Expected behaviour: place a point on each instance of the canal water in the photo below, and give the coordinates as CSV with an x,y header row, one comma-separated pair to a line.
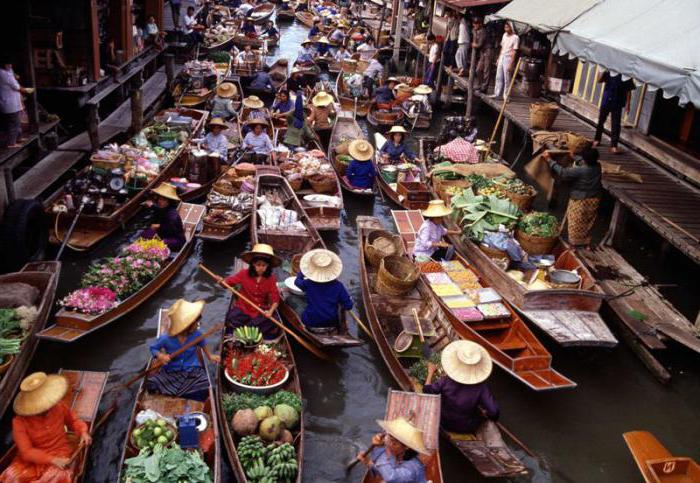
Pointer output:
x,y
575,435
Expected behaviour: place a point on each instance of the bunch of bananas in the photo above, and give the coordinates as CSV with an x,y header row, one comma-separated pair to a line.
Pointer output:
x,y
248,335
250,449
272,464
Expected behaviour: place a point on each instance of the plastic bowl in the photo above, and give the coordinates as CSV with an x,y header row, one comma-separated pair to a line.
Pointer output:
x,y
257,389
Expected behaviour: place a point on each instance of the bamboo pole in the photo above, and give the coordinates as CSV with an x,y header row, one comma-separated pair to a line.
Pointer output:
x,y
503,106
360,324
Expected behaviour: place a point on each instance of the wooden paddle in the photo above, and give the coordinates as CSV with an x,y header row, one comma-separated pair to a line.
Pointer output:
x,y
360,324
425,346
304,343
352,464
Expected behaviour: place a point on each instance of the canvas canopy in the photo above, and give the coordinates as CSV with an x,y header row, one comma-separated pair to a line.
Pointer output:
x,y
651,41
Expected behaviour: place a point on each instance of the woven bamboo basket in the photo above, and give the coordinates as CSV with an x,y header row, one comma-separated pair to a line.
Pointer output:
x,y
295,184
242,171
107,164
535,245
396,276
543,115
524,202
493,252
577,143
340,167
342,148
226,189
382,244
322,184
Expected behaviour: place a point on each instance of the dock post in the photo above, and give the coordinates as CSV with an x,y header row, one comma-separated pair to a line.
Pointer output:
x,y
398,33
450,88
470,83
94,126
505,131
136,110
170,68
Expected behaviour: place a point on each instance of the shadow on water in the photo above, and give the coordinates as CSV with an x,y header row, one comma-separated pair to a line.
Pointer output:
x,y
576,433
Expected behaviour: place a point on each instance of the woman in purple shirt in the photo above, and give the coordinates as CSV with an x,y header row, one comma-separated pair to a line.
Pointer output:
x,y
466,401
168,226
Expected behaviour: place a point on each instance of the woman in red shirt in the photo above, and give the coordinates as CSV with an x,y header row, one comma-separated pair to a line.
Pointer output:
x,y
259,285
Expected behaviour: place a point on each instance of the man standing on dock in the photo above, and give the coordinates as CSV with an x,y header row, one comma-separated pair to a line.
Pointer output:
x,y
616,95
462,56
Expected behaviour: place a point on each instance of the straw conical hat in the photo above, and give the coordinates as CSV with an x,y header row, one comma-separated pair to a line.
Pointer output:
x,y
323,40
423,89
264,250
397,130
406,433
217,121
392,79
322,99
39,392
253,102
436,209
321,265
466,362
166,190
255,121
226,89
361,150
183,314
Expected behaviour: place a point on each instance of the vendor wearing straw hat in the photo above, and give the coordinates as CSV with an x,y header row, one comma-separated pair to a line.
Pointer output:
x,y
395,146
399,454
466,400
39,431
168,224
385,94
429,239
215,140
322,111
306,54
258,285
181,376
257,141
318,275
298,131
323,46
222,104
361,173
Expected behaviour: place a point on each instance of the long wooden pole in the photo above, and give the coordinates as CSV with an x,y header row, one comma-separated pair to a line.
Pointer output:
x,y
505,101
360,324
279,324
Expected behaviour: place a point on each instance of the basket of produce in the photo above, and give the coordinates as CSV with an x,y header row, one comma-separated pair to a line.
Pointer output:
x,y
493,252
258,372
537,233
106,160
322,183
342,148
576,143
543,115
521,194
218,218
382,244
295,181
397,275
245,169
342,162
226,188
288,167
152,432
389,173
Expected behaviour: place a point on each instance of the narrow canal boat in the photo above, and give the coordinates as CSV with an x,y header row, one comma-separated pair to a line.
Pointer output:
x,y
44,277
344,131
171,407
83,397
279,72
262,12
388,317
656,463
383,119
71,325
409,195
511,344
358,106
286,14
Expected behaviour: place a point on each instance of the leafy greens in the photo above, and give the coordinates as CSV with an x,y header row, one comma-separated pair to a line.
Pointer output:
x,y
167,465
479,214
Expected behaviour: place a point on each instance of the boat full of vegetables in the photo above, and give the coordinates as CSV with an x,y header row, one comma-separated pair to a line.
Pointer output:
x,y
166,465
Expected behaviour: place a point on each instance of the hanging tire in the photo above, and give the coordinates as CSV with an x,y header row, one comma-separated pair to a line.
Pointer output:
x,y
23,233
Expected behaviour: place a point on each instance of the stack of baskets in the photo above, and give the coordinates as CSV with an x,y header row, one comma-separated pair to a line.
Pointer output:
x,y
396,276
380,244
543,114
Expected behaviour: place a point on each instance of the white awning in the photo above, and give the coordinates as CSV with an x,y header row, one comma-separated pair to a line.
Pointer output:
x,y
652,41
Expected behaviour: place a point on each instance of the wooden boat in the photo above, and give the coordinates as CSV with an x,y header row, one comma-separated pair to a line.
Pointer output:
x,y
508,340
422,121
656,463
43,276
83,397
409,195
262,13
224,43
222,233
286,14
90,229
384,119
359,106
190,94
345,128
71,325
249,68
305,17
243,118
241,40
279,73
172,407
387,316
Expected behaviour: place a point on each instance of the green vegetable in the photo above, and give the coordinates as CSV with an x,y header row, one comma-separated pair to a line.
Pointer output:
x,y
273,463
9,322
167,465
539,224
234,402
219,57
478,214
478,182
419,370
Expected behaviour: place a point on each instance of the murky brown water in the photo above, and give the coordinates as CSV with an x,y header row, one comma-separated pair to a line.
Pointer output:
x,y
576,434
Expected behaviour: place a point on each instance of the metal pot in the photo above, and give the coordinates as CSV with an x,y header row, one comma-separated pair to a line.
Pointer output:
x,y
564,278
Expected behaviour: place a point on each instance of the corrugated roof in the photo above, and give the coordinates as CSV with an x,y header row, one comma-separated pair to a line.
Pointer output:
x,y
462,4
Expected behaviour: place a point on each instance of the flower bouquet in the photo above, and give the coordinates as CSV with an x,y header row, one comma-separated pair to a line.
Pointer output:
x,y
90,300
123,275
153,249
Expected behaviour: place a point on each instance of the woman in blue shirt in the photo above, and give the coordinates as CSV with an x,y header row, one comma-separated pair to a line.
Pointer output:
x,y
396,146
360,173
318,278
181,376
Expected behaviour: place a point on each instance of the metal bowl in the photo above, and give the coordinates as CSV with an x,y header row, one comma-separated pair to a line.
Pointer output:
x,y
564,277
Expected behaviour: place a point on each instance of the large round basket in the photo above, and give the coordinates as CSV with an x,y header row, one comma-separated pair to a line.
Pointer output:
x,y
296,183
543,115
245,169
226,188
535,245
342,148
524,202
382,244
168,426
397,275
577,143
492,252
257,389
322,184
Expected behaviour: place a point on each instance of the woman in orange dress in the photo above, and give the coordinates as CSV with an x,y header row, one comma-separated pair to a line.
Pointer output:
x,y
38,429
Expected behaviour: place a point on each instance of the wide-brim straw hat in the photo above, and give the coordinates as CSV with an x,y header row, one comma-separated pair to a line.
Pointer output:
x,y
256,121
39,392
397,130
405,432
262,250
361,150
423,89
436,209
321,265
217,121
167,191
392,79
466,362
307,41
226,90
182,314
401,85
322,99
253,102
323,40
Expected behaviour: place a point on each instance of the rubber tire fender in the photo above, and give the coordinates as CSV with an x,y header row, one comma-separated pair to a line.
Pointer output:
x,y
23,233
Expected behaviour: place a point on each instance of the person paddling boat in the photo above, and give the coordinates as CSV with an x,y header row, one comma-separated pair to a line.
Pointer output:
x,y
429,239
361,173
39,431
395,147
168,226
182,376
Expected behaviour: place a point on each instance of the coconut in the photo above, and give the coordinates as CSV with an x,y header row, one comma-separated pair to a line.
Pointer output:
x,y
244,422
263,412
287,415
270,428
286,437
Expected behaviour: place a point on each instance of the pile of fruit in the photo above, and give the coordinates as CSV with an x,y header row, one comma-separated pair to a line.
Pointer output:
x,y
254,368
267,464
248,335
152,432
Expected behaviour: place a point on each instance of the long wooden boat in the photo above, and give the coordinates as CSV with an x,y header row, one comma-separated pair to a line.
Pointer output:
x,y
384,119
43,276
91,229
71,325
231,440
245,70
241,40
305,17
173,407
243,118
262,13
279,73
423,411
287,13
387,315
509,341
656,463
222,233
83,397
358,106
344,129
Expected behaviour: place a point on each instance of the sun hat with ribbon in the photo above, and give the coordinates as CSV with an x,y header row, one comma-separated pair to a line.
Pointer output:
x,y
423,90
39,392
322,99
321,265
182,314
397,130
436,209
262,250
166,190
253,102
403,431
226,90
361,150
466,362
